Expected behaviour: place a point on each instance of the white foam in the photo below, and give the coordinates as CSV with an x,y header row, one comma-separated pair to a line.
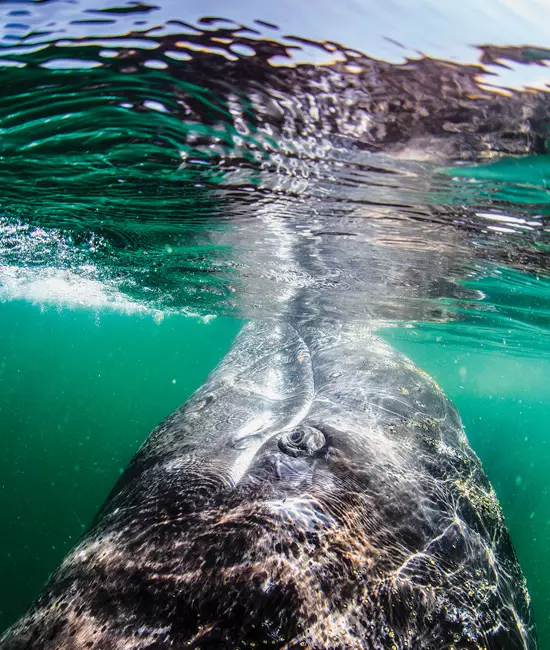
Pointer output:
x,y
63,288
44,267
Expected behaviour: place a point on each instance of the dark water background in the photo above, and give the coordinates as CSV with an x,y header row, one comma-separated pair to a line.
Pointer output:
x,y
159,167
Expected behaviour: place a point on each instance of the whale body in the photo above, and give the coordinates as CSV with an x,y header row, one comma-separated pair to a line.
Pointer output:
x,y
317,491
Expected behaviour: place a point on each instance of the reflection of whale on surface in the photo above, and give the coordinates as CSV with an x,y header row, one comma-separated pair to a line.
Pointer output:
x,y
318,491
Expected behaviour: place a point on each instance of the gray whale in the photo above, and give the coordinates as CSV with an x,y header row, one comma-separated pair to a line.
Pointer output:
x,y
317,491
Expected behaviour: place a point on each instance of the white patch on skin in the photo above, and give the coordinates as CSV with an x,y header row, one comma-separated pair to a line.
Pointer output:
x,y
260,423
245,458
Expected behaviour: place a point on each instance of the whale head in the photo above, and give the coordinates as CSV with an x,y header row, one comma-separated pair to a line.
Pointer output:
x,y
317,491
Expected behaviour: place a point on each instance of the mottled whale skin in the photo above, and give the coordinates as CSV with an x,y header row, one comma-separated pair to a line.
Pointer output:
x,y
318,491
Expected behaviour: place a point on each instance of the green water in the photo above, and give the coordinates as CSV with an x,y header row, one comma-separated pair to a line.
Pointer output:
x,y
80,391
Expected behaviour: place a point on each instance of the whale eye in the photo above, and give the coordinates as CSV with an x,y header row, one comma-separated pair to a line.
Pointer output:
x,y
302,441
